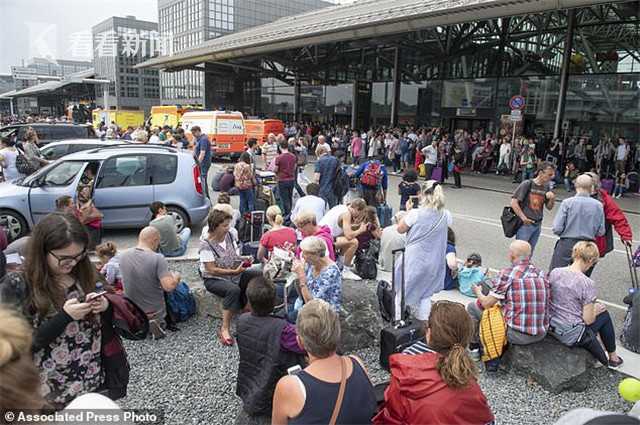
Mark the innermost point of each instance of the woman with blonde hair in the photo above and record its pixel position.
(426, 229)
(312, 395)
(19, 377)
(576, 319)
(436, 384)
(279, 236)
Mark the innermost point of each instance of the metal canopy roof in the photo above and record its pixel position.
(362, 19)
(81, 77)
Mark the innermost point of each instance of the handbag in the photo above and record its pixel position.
(23, 165)
(366, 266)
(510, 222)
(343, 384)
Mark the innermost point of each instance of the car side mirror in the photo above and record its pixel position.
(37, 183)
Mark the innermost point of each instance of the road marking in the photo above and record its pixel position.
(496, 223)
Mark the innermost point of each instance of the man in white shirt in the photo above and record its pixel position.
(311, 202)
(269, 150)
(430, 157)
(621, 155)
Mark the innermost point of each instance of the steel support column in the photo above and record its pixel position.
(354, 106)
(395, 100)
(564, 73)
(297, 100)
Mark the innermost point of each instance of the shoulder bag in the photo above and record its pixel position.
(343, 384)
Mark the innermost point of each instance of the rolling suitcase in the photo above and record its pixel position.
(255, 224)
(385, 212)
(630, 335)
(401, 333)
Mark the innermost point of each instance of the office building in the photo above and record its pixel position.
(192, 22)
(118, 45)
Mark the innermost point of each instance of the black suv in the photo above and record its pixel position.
(48, 133)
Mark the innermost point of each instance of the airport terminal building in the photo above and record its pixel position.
(451, 63)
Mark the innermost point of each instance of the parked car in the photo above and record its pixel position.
(48, 133)
(57, 150)
(128, 180)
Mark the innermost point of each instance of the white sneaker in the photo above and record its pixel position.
(347, 273)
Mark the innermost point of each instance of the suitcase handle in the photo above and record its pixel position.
(393, 284)
(632, 269)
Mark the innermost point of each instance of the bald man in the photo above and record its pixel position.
(146, 277)
(581, 218)
(523, 292)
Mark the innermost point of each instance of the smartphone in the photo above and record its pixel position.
(247, 263)
(414, 201)
(95, 296)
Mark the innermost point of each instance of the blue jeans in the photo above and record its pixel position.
(204, 170)
(247, 200)
(527, 174)
(529, 233)
(184, 236)
(568, 185)
(286, 195)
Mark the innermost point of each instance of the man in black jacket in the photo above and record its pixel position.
(268, 347)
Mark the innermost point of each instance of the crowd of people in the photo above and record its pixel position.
(290, 368)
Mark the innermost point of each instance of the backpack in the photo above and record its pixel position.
(372, 175)
(385, 296)
(366, 265)
(341, 182)
(493, 333)
(181, 302)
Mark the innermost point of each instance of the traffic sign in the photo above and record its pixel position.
(517, 102)
(516, 115)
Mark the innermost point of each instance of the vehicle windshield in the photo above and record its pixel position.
(55, 174)
(5, 132)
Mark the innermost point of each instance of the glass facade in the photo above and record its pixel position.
(192, 22)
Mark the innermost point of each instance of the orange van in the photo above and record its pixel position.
(225, 130)
(260, 129)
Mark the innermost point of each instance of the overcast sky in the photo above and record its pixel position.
(48, 28)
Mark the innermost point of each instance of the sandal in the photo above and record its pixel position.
(225, 341)
(617, 364)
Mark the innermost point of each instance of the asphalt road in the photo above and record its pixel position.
(476, 214)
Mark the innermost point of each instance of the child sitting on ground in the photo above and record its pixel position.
(110, 266)
(621, 185)
(472, 273)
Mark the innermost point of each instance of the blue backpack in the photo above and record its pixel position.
(181, 302)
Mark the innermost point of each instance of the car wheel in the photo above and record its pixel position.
(181, 218)
(14, 224)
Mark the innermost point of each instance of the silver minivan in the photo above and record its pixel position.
(126, 180)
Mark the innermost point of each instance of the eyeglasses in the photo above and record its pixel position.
(67, 260)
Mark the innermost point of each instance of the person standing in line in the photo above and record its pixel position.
(528, 201)
(430, 157)
(581, 218)
(325, 173)
(8, 155)
(245, 182)
(622, 152)
(269, 150)
(202, 155)
(356, 147)
(285, 169)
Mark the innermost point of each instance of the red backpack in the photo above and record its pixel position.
(372, 175)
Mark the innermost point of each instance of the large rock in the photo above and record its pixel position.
(206, 303)
(551, 364)
(360, 315)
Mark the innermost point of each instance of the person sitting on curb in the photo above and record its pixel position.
(279, 236)
(390, 241)
(146, 277)
(172, 244)
(306, 223)
(435, 383)
(310, 396)
(523, 292)
(267, 346)
(311, 202)
(576, 318)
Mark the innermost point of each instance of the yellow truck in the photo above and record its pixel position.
(122, 118)
(170, 115)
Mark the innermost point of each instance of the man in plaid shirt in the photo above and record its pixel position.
(523, 291)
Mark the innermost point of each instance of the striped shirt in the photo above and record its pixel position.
(419, 347)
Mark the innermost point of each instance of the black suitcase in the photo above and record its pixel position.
(401, 333)
(255, 227)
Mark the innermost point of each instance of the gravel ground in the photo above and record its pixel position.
(191, 377)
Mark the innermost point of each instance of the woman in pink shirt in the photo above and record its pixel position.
(356, 147)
